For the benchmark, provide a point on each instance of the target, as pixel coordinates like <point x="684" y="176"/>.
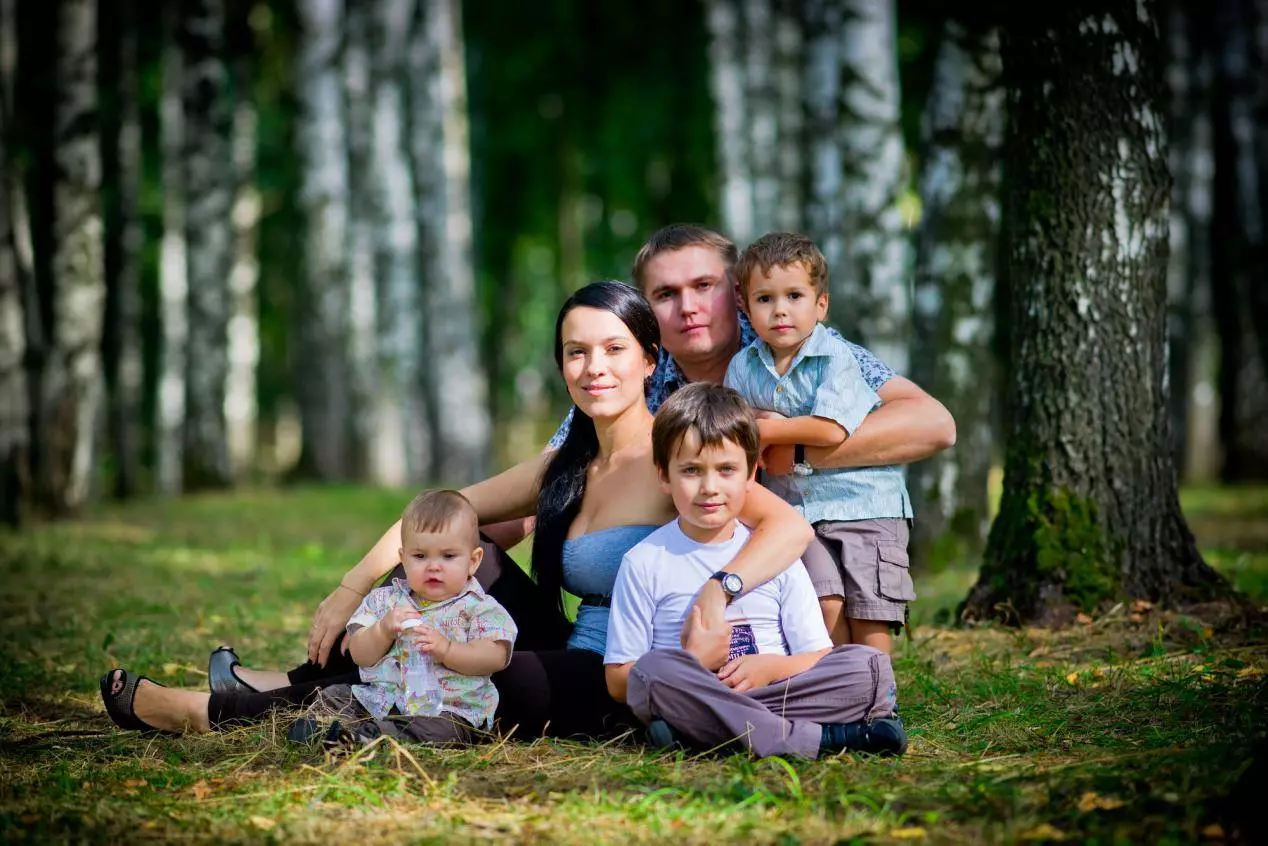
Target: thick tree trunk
<point x="401" y="441"/>
<point x="955" y="287"/>
<point x="14" y="408"/>
<point x="169" y="426"/>
<point x="121" y="158"/>
<point x="321" y="362"/>
<point x="209" y="189"/>
<point x="71" y="391"/>
<point x="241" y="411"/>
<point x="1090" y="509"/>
<point x="462" y="432"/>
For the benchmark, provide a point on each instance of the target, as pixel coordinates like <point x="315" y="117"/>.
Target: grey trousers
<point x="444" y="730"/>
<point x="850" y="683"/>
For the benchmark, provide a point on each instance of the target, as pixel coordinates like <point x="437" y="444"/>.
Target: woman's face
<point x="603" y="365"/>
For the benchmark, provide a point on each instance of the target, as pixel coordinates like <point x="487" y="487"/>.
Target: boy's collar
<point x="816" y="344"/>
<point x="472" y="587"/>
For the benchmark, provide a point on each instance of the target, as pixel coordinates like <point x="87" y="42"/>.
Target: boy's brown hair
<point x="716" y="414"/>
<point x="679" y="236"/>
<point x="781" y="249"/>
<point x="438" y="510"/>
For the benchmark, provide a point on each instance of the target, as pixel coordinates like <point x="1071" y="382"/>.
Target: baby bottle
<point x="422" y="688"/>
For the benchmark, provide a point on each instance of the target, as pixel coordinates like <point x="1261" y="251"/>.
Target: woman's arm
<point x="510" y="494"/>
<point x="779" y="537"/>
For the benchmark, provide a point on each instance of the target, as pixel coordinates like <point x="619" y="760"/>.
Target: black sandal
<point x="119" y="701"/>
<point x="220" y="675"/>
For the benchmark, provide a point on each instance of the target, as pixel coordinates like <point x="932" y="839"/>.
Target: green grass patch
<point x="1130" y="728"/>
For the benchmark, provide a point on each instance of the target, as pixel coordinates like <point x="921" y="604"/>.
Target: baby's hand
<point x="432" y="642"/>
<point x="396" y="619"/>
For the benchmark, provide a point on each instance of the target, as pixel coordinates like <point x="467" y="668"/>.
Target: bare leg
<point x="873" y="633"/>
<point x="262" y="679"/>
<point x="833" y="609"/>
<point x="171" y="709"/>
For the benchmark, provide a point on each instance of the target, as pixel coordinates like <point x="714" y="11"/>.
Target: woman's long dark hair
<point x="564" y="480"/>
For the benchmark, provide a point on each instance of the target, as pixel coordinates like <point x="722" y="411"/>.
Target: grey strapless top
<point x="590" y="565"/>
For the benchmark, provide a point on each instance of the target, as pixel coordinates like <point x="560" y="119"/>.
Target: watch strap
<point x="799" y="454"/>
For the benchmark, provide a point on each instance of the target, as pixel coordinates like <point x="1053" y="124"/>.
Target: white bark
<point x="728" y="84"/>
<point x="870" y="284"/>
<point x="173" y="277"/>
<point x="461" y="390"/>
<point x="14" y="402"/>
<point x="72" y="384"/>
<point x="209" y="235"/>
<point x="953" y="307"/>
<point x="789" y="214"/>
<point x="401" y="441"/>
<point x="763" y="108"/>
<point x="322" y="370"/>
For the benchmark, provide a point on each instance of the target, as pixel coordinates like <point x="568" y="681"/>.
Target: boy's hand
<point x="393" y="622"/>
<point x="751" y="671"/>
<point x="709" y="643"/>
<point x="432" y="642"/>
<point x="768" y="415"/>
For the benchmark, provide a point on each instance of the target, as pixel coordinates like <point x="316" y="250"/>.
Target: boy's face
<point x="707" y="486"/>
<point x="783" y="306"/>
<point x="438" y="564"/>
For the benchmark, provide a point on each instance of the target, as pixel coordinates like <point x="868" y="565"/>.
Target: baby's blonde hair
<point x="437" y="510"/>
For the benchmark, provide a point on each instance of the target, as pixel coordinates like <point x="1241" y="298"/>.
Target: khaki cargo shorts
<point x="866" y="563"/>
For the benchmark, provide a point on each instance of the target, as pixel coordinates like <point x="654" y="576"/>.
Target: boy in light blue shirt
<point x="809" y="390"/>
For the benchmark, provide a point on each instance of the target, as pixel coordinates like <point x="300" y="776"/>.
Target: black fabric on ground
<point x="558" y="693"/>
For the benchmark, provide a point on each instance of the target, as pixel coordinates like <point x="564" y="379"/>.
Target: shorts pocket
<point x="894" y="573"/>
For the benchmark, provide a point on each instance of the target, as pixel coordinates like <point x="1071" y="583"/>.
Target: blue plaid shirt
<point x="823" y="380"/>
<point x="668" y="378"/>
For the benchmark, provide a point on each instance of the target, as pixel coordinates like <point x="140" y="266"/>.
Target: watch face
<point x="732" y="584"/>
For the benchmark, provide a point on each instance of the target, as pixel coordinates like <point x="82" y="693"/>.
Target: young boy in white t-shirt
<point x="771" y="679"/>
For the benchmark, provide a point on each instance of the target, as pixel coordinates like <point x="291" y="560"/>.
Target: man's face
<point x="708" y="487"/>
<point x="694" y="300"/>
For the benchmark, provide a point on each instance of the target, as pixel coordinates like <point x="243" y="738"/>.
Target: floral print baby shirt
<point x="471" y="615"/>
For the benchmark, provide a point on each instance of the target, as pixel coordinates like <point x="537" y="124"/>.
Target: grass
<point x="1133" y="727"/>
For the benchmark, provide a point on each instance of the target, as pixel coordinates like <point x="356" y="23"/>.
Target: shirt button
<point x="779" y="389"/>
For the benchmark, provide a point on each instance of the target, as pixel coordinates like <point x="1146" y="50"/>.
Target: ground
<point x="1134" y="726"/>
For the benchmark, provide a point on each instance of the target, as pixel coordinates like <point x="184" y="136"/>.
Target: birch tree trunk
<point x="241" y="412"/>
<point x="14" y="406"/>
<point x="789" y="213"/>
<point x="72" y="386"/>
<point x="1090" y="510"/>
<point x="957" y="250"/>
<point x="321" y="364"/>
<point x="728" y="84"/>
<point x="870" y="287"/>
<point x="209" y="235"/>
<point x="121" y="155"/>
<point x="461" y="438"/>
<point x="401" y="441"/>
<point x="173" y="272"/>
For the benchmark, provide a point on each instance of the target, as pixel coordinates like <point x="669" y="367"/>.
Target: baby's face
<point x="439" y="563"/>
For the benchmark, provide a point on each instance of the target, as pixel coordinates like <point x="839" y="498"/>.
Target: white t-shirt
<point x="657" y="585"/>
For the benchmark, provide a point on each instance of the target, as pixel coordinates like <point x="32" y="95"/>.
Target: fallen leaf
<point x="201" y="790"/>
<point x="913" y="832"/>
<point x="1073" y="678"/>
<point x="1207" y="632"/>
<point x="1083" y="619"/>
<point x="1200" y="668"/>
<point x="1249" y="673"/>
<point x="170" y="669"/>
<point x="1091" y="801"/>
<point x="135" y="782"/>
<point x="263" y="823"/>
<point x="1214" y="831"/>
<point x="1136" y="618"/>
<point x="27" y="819"/>
<point x="1141" y="605"/>
<point x="1043" y="831"/>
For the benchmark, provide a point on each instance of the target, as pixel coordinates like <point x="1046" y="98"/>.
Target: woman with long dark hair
<point x="594" y="498"/>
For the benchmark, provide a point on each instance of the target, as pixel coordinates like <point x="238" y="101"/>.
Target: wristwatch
<point x="800" y="465"/>
<point x="732" y="584"/>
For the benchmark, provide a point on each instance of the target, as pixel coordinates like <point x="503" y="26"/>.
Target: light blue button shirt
<point x="824" y="380"/>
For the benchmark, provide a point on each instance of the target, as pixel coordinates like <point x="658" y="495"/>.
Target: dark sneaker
<point x="303" y="730"/>
<point x="884" y="736"/>
<point x="661" y="735"/>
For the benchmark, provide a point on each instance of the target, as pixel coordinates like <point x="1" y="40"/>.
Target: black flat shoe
<point x="118" y="691"/>
<point x="220" y="675"/>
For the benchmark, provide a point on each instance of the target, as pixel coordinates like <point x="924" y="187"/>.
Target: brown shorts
<point x="865" y="562"/>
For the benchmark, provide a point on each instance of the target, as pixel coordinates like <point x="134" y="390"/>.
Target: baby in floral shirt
<point x="426" y="644"/>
